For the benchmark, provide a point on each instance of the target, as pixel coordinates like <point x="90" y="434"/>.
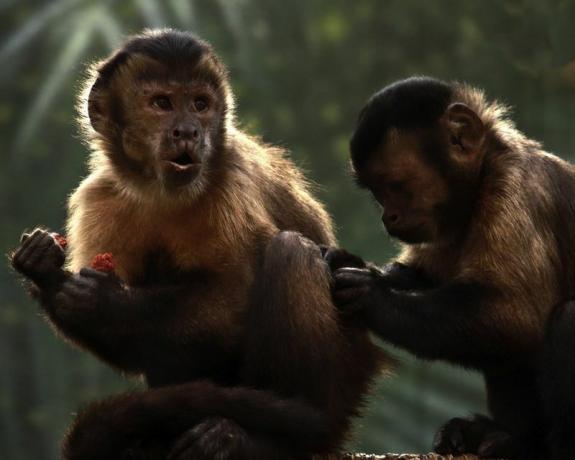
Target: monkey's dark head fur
<point x="407" y="104"/>
<point x="419" y="147"/>
<point x="157" y="111"/>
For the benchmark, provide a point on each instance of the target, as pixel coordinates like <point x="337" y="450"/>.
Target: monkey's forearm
<point x="137" y="415"/>
<point x="108" y="318"/>
<point x="447" y="322"/>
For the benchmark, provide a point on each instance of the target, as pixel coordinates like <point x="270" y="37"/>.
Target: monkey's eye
<point x="200" y="104"/>
<point x="162" y="102"/>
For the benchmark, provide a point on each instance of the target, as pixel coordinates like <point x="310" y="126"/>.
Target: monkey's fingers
<point x="186" y="445"/>
<point x="454" y="445"/>
<point x="79" y="290"/>
<point x="200" y="441"/>
<point x="348" y="277"/>
<point x="102" y="280"/>
<point x="449" y="441"/>
<point x="95" y="274"/>
<point x="347" y="295"/>
<point x="36" y="257"/>
<point x="37" y="231"/>
<point x="498" y="445"/>
<point x="337" y="258"/>
<point x="27" y="246"/>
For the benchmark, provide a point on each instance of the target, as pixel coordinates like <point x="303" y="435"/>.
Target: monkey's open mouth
<point x="183" y="160"/>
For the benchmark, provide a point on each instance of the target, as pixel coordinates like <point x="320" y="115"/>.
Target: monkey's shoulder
<point x="276" y="193"/>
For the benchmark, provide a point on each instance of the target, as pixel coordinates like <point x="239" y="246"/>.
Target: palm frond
<point x="64" y="65"/>
<point x="152" y="12"/>
<point x="34" y="26"/>
<point x="185" y="13"/>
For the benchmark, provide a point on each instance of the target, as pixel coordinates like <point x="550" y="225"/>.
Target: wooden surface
<point x="403" y="457"/>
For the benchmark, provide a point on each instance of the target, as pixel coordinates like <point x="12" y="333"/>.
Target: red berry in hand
<point x="103" y="262"/>
<point x="60" y="239"/>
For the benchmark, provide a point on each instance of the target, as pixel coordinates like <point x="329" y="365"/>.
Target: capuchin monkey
<point x="487" y="224"/>
<point x="219" y="295"/>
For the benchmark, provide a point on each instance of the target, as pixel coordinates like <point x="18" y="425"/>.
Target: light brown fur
<point x="221" y="233"/>
<point x="220" y="297"/>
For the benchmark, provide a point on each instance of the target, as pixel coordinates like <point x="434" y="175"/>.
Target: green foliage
<point x="301" y="71"/>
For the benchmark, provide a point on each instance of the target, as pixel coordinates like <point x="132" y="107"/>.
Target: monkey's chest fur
<point x="215" y="271"/>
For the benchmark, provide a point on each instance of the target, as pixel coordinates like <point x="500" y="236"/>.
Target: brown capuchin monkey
<point x="487" y="221"/>
<point x="214" y="299"/>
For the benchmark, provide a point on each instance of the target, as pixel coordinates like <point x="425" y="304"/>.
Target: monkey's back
<point x="520" y="241"/>
<point x="551" y="183"/>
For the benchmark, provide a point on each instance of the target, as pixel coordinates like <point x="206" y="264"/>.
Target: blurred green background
<point x="301" y="70"/>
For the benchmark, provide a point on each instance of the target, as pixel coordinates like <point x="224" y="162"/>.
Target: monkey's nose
<point x="179" y="134"/>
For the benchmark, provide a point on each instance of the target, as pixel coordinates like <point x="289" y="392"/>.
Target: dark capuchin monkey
<point x="214" y="299"/>
<point x="487" y="222"/>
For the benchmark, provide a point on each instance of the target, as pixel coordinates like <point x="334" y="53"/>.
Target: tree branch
<point x="402" y="457"/>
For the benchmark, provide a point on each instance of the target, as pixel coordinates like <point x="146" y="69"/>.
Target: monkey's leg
<point x="295" y="343"/>
<point x="513" y="401"/>
<point x="292" y="342"/>
<point x="297" y="348"/>
<point x="515" y="432"/>
<point x="558" y="381"/>
<point x="147" y="424"/>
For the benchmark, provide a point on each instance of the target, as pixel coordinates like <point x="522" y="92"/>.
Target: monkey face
<point x="420" y="152"/>
<point x="158" y="108"/>
<point x="412" y="193"/>
<point x="170" y="129"/>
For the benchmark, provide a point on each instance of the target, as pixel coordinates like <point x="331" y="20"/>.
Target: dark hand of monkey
<point x="223" y="439"/>
<point x="356" y="288"/>
<point x="338" y="258"/>
<point x="91" y="290"/>
<point x="476" y="435"/>
<point x="39" y="259"/>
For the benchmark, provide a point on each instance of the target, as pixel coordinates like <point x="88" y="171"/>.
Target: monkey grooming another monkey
<point x="487" y="222"/>
<point x="214" y="299"/>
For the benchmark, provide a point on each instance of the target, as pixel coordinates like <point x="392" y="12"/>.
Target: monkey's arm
<point x="397" y="275"/>
<point x="456" y="321"/>
<point x="125" y="326"/>
<point x="115" y="322"/>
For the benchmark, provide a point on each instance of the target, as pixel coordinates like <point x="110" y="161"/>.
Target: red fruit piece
<point x="103" y="262"/>
<point x="61" y="240"/>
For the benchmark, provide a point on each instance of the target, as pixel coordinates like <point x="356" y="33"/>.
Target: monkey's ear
<point x="465" y="129"/>
<point x="99" y="97"/>
<point x="97" y="112"/>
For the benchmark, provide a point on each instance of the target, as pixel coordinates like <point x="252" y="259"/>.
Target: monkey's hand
<point x="354" y="289"/>
<point x="476" y="435"/>
<point x="39" y="259"/>
<point x="223" y="439"/>
<point x="338" y="258"/>
<point x="90" y="292"/>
